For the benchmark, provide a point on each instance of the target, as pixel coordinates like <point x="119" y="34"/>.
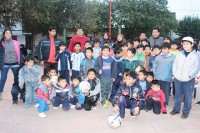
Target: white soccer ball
<point x="114" y="121"/>
<point x="84" y="86"/>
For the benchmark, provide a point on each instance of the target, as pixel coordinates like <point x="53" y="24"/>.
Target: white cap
<point x="189" y="39"/>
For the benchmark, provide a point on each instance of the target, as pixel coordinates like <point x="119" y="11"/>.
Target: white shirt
<point x="76" y="59"/>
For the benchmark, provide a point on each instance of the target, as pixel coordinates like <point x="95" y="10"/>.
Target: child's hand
<point x="87" y="93"/>
<point x="120" y="74"/>
<point x="48" y="102"/>
<point x="116" y="109"/>
<point x="136" y="111"/>
<point x="71" y="96"/>
<point x="60" y="51"/>
<point x="100" y="71"/>
<point x="113" y="80"/>
<point x="78" y="105"/>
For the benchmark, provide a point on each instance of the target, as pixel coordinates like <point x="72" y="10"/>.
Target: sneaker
<point x="94" y="107"/>
<point x="15" y="102"/>
<point x="198" y="103"/>
<point x="61" y="105"/>
<point x="42" y="115"/>
<point x="27" y="106"/>
<point x="174" y="112"/>
<point x="73" y="106"/>
<point x="105" y="105"/>
<point x="55" y="108"/>
<point x="184" y="115"/>
<point x="107" y="102"/>
<point x="36" y="105"/>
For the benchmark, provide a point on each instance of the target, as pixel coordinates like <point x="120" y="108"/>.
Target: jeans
<point x="4" y="73"/>
<point x="43" y="106"/>
<point x="65" y="74"/>
<point x="15" y="92"/>
<point x="74" y="101"/>
<point x="56" y="101"/>
<point x="165" y="86"/>
<point x="183" y="89"/>
<point x="30" y="92"/>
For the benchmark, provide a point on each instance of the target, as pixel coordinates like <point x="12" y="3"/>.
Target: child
<point x="129" y="44"/>
<point x="126" y="71"/>
<point x="64" y="61"/>
<point x="29" y="74"/>
<point x="145" y="85"/>
<point x="87" y="63"/>
<point x="106" y="43"/>
<point x="130" y="62"/>
<point x="144" y="42"/>
<point x="118" y="59"/>
<point x="136" y="42"/>
<point x="150" y="77"/>
<point x="140" y="55"/>
<point x="162" y="69"/>
<point x="174" y="46"/>
<point x="86" y="45"/>
<point x="61" y="97"/>
<point x="147" y="54"/>
<point x="76" y="97"/>
<point x="155" y="52"/>
<point x="155" y="98"/>
<point x="93" y="96"/>
<point x="184" y="78"/>
<point x="107" y="70"/>
<point x="139" y="68"/>
<point x="43" y="93"/>
<point x="124" y="50"/>
<point x="76" y="59"/>
<point x="96" y="48"/>
<point x="129" y="96"/>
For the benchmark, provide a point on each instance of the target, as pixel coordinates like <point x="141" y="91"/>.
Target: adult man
<point x="79" y="37"/>
<point x="47" y="48"/>
<point x="156" y="39"/>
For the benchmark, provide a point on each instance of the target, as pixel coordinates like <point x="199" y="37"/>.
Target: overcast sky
<point x="184" y="8"/>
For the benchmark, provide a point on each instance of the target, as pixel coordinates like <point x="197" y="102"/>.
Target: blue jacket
<point x="77" y="93"/>
<point x="119" y="65"/>
<point x="65" y="60"/>
<point x="162" y="67"/>
<point x="151" y="60"/>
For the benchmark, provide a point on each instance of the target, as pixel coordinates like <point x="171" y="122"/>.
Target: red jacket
<point x="157" y="96"/>
<point x="75" y="39"/>
<point x="43" y="93"/>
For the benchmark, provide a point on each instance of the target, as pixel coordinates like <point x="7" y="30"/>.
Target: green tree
<point x="189" y="26"/>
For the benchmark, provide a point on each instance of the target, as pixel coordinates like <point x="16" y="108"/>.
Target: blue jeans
<point x="165" y="86"/>
<point x="183" y="89"/>
<point x="74" y="101"/>
<point x="43" y="106"/>
<point x="56" y="101"/>
<point x="4" y="73"/>
<point x="30" y="92"/>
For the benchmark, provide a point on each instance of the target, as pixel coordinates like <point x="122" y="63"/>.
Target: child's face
<point x="87" y="45"/>
<point x="129" y="81"/>
<point x="129" y="54"/>
<point x="46" y="82"/>
<point x="88" y="53"/>
<point x="75" y="82"/>
<point x="29" y="63"/>
<point x="97" y="45"/>
<point x="165" y="51"/>
<point x="105" y="52"/>
<point x="147" y="51"/>
<point x="130" y="45"/>
<point x="166" y="40"/>
<point x="125" y="48"/>
<point x="141" y="76"/>
<point x="77" y="48"/>
<point x="91" y="75"/>
<point x="52" y="73"/>
<point x="144" y="43"/>
<point x="118" y="55"/>
<point x="155" y="88"/>
<point x="62" y="83"/>
<point x="62" y="48"/>
<point x="140" y="50"/>
<point x="156" y="51"/>
<point x="187" y="46"/>
<point x="174" y="47"/>
<point x="135" y="44"/>
<point x="105" y="36"/>
<point x="149" y="78"/>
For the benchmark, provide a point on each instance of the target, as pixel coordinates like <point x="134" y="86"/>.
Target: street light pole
<point x="110" y="20"/>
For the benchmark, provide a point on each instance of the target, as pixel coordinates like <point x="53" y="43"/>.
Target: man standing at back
<point x="47" y="48"/>
<point x="79" y="37"/>
<point x="156" y="39"/>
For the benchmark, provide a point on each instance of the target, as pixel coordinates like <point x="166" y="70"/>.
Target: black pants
<point x="90" y="101"/>
<point x="49" y="65"/>
<point x="153" y="104"/>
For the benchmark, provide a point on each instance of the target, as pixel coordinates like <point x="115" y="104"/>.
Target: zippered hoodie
<point x="77" y="93"/>
<point x="62" y="93"/>
<point x="43" y="93"/>
<point x="186" y="68"/>
<point x="95" y="86"/>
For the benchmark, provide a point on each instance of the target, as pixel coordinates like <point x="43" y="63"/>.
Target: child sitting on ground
<point x="52" y="73"/>
<point x="155" y="98"/>
<point x="150" y="77"/>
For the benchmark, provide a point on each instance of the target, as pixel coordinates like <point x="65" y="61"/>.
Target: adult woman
<point x="105" y="39"/>
<point x="10" y="57"/>
<point x="120" y="41"/>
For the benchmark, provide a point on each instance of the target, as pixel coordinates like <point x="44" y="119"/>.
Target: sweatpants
<point x="56" y="101"/>
<point x="43" y="106"/>
<point x="106" y="84"/>
<point x="115" y="87"/>
<point x="155" y="105"/>
<point x="123" y="103"/>
<point x="90" y="101"/>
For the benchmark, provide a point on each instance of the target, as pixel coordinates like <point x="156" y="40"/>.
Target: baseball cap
<point x="189" y="39"/>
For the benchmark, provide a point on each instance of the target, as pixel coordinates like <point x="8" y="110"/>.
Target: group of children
<point x="136" y="77"/>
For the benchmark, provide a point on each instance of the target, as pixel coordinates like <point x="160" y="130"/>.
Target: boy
<point x="87" y="63"/>
<point x="106" y="43"/>
<point x="64" y="61"/>
<point x="155" y="51"/>
<point x="155" y="98"/>
<point x="140" y="55"/>
<point x="118" y="59"/>
<point x="53" y="75"/>
<point x="61" y="90"/>
<point x="106" y="67"/>
<point x="129" y="96"/>
<point x="174" y="46"/>
<point x="86" y="45"/>
<point x="184" y="78"/>
<point x="76" y="97"/>
<point x="145" y="85"/>
<point x="147" y="54"/>
<point x="130" y="62"/>
<point x="124" y="50"/>
<point x="43" y="94"/>
<point x="93" y="96"/>
<point x="96" y="48"/>
<point x="150" y="77"/>
<point x="76" y="59"/>
<point x="162" y="69"/>
<point x="136" y="42"/>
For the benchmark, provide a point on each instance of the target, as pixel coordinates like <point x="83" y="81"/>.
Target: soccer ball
<point x="84" y="86"/>
<point x="114" y="121"/>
